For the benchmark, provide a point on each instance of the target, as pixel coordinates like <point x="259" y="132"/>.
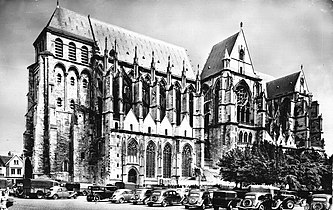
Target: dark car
<point x="198" y="199"/>
<point x="141" y="196"/>
<point x="164" y="197"/>
<point x="96" y="193"/>
<point x="321" y="202"/>
<point x="224" y="199"/>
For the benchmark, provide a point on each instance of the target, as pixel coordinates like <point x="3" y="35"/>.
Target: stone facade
<point x="106" y="104"/>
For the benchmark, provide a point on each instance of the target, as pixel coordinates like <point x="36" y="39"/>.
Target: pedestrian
<point x="3" y="199"/>
<point x="269" y="202"/>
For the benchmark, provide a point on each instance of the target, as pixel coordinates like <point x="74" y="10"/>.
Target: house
<point x="11" y="167"/>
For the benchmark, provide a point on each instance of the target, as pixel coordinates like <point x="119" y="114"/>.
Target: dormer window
<point x="72" y="51"/>
<point x="58" y="47"/>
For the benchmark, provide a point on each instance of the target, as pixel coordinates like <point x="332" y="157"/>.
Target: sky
<point x="281" y="35"/>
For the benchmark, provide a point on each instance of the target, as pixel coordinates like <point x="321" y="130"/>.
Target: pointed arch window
<point x="178" y="105"/>
<point x="245" y="137"/>
<point x="115" y="93"/>
<point x="187" y="161"/>
<point x="216" y="102"/>
<point x="162" y="100"/>
<point x="241" y="54"/>
<point x="127" y="94"/>
<point x="250" y="138"/>
<point x="191" y="103"/>
<point x="240" y="137"/>
<point x="150" y="160"/>
<point x="132" y="151"/>
<point x="84" y="54"/>
<point x="167" y="161"/>
<point x="72" y="51"/>
<point x="59" y="47"/>
<point x="146" y="97"/>
<point x="244" y="113"/>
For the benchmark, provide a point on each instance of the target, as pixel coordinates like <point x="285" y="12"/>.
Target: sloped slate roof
<point x="4" y="159"/>
<point x="282" y="86"/>
<point x="68" y="22"/>
<point x="214" y="60"/>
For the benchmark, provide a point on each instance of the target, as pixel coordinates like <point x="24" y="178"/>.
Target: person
<point x="309" y="201"/>
<point x="268" y="202"/>
<point x="3" y="199"/>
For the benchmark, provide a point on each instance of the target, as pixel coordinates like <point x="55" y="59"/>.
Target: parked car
<point x="122" y="195"/>
<point x="224" y="199"/>
<point x="321" y="202"/>
<point x="288" y="199"/>
<point x="141" y="196"/>
<point x="253" y="201"/>
<point x="96" y="192"/>
<point x="60" y="192"/>
<point x="164" y="197"/>
<point x="198" y="199"/>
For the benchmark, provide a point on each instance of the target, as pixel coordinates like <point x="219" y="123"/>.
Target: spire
<point x="152" y="68"/>
<point x="169" y="72"/>
<point x="152" y="60"/>
<point x="241" y="25"/>
<point x="135" y="55"/>
<point x="58" y="4"/>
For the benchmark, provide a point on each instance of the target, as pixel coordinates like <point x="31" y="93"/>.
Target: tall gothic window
<point x="59" y="47"/>
<point x="186" y="161"/>
<point x="127" y="94"/>
<point x="150" y="160"/>
<point x="243" y="105"/>
<point x="216" y="102"/>
<point x="132" y="151"/>
<point x="240" y="137"/>
<point x="115" y="93"/>
<point x="250" y="138"/>
<point x="178" y="105"/>
<point x="72" y="51"/>
<point x="84" y="54"/>
<point x="146" y="97"/>
<point x="191" y="108"/>
<point x="162" y="100"/>
<point x="167" y="161"/>
<point x="245" y="137"/>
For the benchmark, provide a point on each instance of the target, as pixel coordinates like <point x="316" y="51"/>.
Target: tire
<point x="164" y="203"/>
<point x="261" y="207"/>
<point x="55" y="197"/>
<point x="121" y="200"/>
<point x="97" y="198"/>
<point x="40" y="195"/>
<point x="290" y="204"/>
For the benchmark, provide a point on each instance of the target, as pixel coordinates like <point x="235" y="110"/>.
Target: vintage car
<point x="224" y="199"/>
<point x="141" y="196"/>
<point x="122" y="195"/>
<point x="198" y="199"/>
<point x="96" y="192"/>
<point x="253" y="200"/>
<point x="60" y="192"/>
<point x="164" y="197"/>
<point x="321" y="202"/>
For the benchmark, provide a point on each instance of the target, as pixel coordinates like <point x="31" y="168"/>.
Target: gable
<point x="165" y="125"/>
<point x="149" y="122"/>
<point x="131" y="119"/>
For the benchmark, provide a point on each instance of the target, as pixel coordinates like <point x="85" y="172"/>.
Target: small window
<point x="185" y="133"/>
<point x="72" y="51"/>
<point x="131" y="127"/>
<point x="241" y="54"/>
<point x="59" y="102"/>
<point x="12" y="171"/>
<point x="59" y="77"/>
<point x="72" y="81"/>
<point x="19" y="171"/>
<point x="84" y="83"/>
<point x="166" y="132"/>
<point x="149" y="129"/>
<point x="16" y="162"/>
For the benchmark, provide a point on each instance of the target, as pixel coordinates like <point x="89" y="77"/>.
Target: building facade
<point x="11" y="167"/>
<point x="106" y="104"/>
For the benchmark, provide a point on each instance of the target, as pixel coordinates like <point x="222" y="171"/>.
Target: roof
<point x="71" y="23"/>
<point x="214" y="60"/>
<point x="5" y="159"/>
<point x="282" y="86"/>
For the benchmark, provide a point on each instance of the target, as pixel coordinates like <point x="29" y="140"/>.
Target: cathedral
<point x="107" y="105"/>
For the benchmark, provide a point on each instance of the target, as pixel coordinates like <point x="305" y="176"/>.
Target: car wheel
<point x="55" y="197"/>
<point x="164" y="203"/>
<point x="261" y="207"/>
<point x="40" y="195"/>
<point x="84" y="193"/>
<point x="290" y="204"/>
<point x="97" y="198"/>
<point x="121" y="200"/>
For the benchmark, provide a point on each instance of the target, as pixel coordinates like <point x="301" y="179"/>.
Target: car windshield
<point x="320" y="199"/>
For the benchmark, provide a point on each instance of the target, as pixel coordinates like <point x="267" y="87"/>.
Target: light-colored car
<point x="122" y="195"/>
<point x="321" y="202"/>
<point x="141" y="196"/>
<point x="60" y="192"/>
